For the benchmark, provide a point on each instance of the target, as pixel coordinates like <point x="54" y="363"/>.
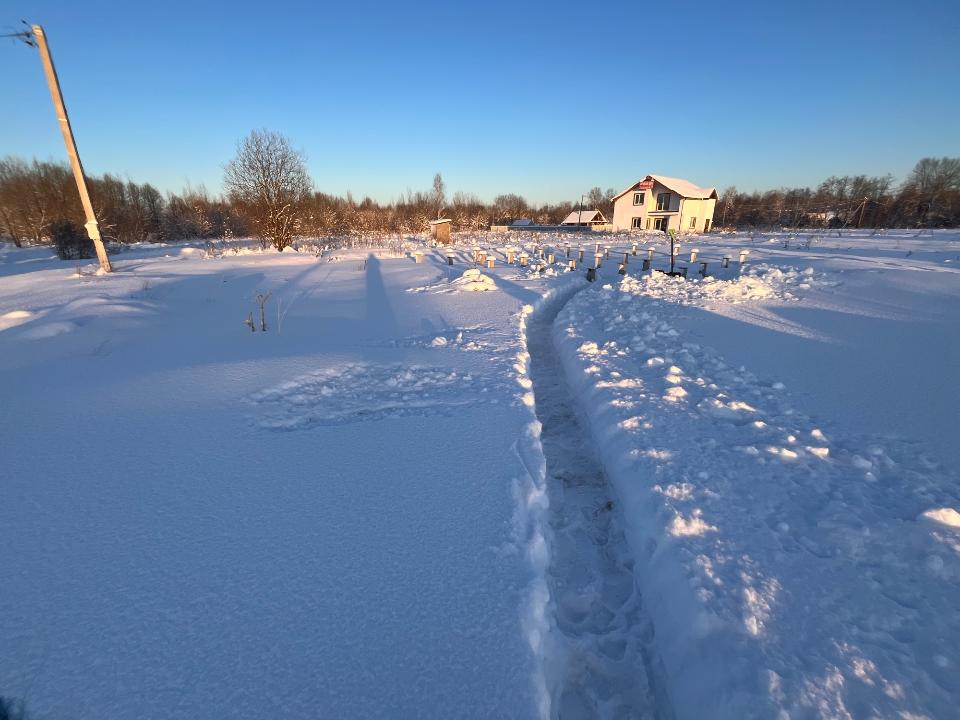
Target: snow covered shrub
<point x="72" y="243"/>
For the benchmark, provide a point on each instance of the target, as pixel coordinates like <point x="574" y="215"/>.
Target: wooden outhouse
<point x="440" y="230"/>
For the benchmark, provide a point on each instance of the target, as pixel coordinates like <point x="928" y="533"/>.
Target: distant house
<point x="663" y="203"/>
<point x="585" y="217"/>
<point x="522" y="222"/>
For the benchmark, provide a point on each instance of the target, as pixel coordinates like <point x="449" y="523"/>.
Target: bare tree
<point x="510" y="206"/>
<point x="601" y="200"/>
<point x="439" y="194"/>
<point x="932" y="182"/>
<point x="268" y="181"/>
<point x="728" y="199"/>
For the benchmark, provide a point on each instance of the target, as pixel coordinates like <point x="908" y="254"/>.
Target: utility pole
<point x="93" y="229"/>
<point x="673" y="252"/>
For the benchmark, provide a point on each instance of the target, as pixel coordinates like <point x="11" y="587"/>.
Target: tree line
<point x="269" y="194"/>
<point x="929" y="197"/>
<point x="35" y="195"/>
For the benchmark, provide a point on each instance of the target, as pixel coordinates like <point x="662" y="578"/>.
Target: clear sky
<point x="543" y="99"/>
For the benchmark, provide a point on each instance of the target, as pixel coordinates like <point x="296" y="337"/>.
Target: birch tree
<point x="439" y="194"/>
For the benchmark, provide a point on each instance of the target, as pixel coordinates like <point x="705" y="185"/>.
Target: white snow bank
<point x="760" y="282"/>
<point x="785" y="573"/>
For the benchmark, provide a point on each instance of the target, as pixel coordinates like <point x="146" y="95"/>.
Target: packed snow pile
<point x="761" y="282"/>
<point x="473" y="280"/>
<point x="787" y="570"/>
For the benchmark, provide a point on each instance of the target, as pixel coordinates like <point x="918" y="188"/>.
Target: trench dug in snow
<point x="603" y="663"/>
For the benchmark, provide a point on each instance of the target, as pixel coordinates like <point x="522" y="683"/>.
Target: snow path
<point x="605" y="665"/>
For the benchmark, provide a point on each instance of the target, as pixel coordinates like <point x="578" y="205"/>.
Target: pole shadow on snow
<point x="380" y="319"/>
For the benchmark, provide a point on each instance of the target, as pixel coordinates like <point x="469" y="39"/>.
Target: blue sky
<point x="543" y="99"/>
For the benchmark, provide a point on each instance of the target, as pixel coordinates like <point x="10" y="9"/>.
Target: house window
<point x="638" y="198"/>
<point x="660" y="223"/>
<point x="637" y="224"/>
<point x="649" y="222"/>
<point x="693" y="223"/>
<point x="663" y="201"/>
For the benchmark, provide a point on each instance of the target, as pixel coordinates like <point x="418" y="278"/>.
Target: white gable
<point x="683" y="188"/>
<point x="581" y="218"/>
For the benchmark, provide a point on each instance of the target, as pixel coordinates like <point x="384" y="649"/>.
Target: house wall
<point x="678" y="217"/>
<point x="624" y="210"/>
<point x="702" y="210"/>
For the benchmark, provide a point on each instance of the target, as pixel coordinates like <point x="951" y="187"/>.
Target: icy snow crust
<point x="717" y="497"/>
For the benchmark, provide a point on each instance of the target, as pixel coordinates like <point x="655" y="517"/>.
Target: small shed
<point x="440" y="230"/>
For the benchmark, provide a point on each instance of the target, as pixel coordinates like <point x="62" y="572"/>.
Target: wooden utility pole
<point x="93" y="229"/>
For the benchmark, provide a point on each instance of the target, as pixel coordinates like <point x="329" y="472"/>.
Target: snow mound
<point x="14" y="318"/>
<point x="49" y="330"/>
<point x="757" y="283"/>
<point x="16" y="315"/>
<point x="473" y="280"/>
<point x="945" y="516"/>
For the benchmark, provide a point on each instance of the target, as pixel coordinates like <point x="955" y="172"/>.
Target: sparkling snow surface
<point x="317" y="521"/>
<point x="727" y="497"/>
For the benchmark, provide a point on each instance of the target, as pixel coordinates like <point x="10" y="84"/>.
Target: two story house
<point x="658" y="202"/>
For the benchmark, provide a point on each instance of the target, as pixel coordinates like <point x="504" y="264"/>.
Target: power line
<point x="26" y="36"/>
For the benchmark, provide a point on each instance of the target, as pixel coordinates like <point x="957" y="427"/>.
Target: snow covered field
<point x="512" y="495"/>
